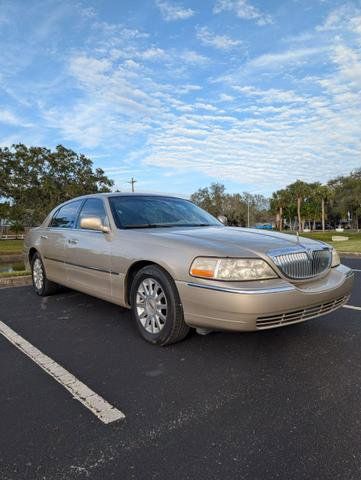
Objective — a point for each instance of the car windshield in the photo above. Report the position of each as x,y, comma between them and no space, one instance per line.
157,212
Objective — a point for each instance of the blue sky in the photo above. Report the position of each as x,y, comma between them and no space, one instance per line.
251,93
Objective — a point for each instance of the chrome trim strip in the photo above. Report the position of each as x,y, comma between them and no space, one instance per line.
53,259
81,266
285,288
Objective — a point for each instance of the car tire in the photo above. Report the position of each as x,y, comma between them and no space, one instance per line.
42,286
156,307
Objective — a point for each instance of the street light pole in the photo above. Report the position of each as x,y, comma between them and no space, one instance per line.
248,213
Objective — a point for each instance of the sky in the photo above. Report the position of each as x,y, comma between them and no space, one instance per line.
179,94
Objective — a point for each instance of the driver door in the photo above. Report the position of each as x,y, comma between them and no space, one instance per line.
88,253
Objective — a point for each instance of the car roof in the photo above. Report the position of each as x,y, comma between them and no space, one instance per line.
128,194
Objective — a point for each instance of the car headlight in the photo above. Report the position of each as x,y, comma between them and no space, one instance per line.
335,258
231,269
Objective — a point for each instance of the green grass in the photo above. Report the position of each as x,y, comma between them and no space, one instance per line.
14,274
7,247
352,245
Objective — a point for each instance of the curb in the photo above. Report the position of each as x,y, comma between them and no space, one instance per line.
350,254
15,281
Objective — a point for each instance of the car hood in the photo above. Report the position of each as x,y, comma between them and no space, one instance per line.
233,240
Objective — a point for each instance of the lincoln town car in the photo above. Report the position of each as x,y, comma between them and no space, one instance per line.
177,267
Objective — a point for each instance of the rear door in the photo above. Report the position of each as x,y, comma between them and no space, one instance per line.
53,240
88,253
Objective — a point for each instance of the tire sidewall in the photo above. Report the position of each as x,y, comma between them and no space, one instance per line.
168,288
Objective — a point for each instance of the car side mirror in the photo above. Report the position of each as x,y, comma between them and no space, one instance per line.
93,223
223,219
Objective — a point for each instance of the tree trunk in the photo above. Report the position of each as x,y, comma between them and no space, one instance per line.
323,214
281,218
299,213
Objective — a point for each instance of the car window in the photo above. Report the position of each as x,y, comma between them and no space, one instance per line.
93,207
147,212
66,216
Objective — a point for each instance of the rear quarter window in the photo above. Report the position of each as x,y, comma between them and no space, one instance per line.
66,216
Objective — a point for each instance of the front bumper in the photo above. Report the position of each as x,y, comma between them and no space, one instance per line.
264,305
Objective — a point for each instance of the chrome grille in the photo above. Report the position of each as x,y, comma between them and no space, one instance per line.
295,316
300,263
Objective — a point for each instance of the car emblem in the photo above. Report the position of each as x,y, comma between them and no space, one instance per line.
309,253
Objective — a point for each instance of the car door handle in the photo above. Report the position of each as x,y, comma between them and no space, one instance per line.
73,241
45,237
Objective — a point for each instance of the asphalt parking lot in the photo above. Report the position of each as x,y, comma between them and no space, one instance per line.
282,404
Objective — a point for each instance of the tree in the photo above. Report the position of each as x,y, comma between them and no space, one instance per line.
322,194
346,193
234,206
279,202
211,199
299,190
235,209
33,180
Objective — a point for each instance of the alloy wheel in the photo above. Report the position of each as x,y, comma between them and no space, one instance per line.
151,305
38,274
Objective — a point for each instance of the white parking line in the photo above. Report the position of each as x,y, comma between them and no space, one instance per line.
94,402
351,307
356,270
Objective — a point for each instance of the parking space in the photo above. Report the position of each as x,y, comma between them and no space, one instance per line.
282,403
355,264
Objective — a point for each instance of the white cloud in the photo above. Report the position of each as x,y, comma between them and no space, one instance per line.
154,54
349,64
222,42
345,16
9,118
224,97
192,57
294,56
95,68
172,11
243,10
275,64
271,95
205,106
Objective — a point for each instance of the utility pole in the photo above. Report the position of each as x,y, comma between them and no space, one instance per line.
248,213
132,182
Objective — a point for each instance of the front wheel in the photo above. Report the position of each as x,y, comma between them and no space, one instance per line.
156,307
41,284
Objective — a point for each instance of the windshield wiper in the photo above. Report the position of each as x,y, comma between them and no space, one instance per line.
143,225
167,225
197,225
149,225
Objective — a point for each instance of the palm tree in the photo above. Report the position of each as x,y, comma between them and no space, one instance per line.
299,190
325,193
278,203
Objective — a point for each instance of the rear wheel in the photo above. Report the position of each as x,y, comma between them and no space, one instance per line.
156,307
41,284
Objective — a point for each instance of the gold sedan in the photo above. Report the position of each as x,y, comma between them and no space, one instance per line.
178,267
